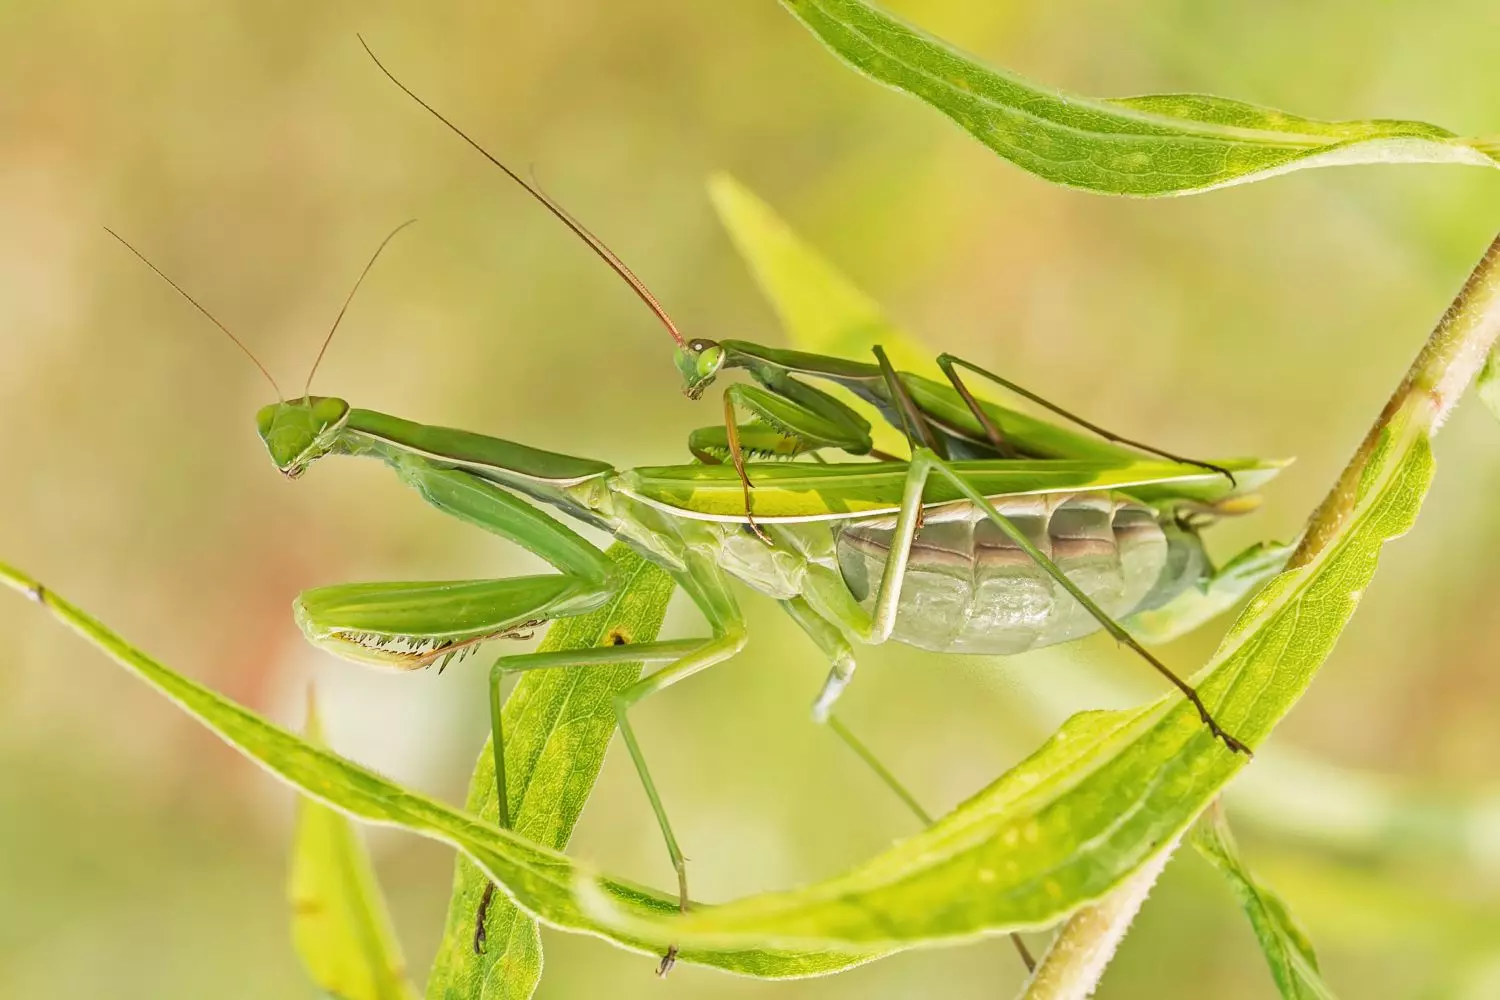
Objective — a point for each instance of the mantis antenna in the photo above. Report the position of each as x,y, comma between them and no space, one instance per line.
578,228
237,342
306,388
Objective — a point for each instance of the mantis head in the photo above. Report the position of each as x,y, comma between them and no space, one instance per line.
698,361
299,432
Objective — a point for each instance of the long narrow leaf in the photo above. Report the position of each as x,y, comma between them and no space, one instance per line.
558,724
1109,790
543,882
340,925
1289,953
1162,144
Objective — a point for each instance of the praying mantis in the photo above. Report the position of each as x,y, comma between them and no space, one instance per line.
1041,537
858,552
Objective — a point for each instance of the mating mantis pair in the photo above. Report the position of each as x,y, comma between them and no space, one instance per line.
1001,533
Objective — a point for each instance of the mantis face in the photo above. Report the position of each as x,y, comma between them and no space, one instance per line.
299,432
698,361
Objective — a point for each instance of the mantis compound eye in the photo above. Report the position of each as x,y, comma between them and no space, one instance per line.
329,410
709,356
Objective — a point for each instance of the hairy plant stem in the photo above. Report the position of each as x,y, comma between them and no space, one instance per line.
1447,363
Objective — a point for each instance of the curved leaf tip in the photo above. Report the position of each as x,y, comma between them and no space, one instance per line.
1149,146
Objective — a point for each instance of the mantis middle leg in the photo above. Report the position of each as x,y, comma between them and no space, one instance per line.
709,589
950,364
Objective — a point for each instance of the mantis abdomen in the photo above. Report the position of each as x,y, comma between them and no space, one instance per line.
969,589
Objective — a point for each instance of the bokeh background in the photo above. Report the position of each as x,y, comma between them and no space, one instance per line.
255,153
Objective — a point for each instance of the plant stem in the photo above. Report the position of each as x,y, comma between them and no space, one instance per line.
1446,364
1074,962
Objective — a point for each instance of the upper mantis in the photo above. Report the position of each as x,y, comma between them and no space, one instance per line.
788,417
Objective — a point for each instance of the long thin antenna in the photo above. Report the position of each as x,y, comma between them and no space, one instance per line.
345,307
237,342
578,228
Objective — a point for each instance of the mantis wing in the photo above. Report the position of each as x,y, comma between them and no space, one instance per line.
789,492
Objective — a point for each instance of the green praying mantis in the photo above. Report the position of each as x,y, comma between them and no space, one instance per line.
1049,550
1055,537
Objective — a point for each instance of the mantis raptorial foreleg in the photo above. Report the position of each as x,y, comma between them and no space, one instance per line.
413,624
806,418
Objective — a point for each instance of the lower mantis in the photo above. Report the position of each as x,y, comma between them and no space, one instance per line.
984,556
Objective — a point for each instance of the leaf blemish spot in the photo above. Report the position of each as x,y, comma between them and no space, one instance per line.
616,637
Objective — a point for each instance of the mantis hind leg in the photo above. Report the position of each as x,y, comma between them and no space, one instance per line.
840,654
709,589
950,364
888,778
925,461
827,636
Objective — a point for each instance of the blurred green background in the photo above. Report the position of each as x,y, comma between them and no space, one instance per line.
255,153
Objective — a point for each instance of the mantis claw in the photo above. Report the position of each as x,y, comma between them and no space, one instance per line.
667,961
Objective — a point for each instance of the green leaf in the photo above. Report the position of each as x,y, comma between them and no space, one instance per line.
558,724
543,882
1106,793
1488,383
340,926
1144,146
1288,951
1226,588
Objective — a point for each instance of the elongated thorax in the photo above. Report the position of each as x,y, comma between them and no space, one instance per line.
971,589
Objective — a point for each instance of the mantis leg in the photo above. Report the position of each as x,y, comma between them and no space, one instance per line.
833,644
924,462
708,587
412,625
950,364
797,417
889,779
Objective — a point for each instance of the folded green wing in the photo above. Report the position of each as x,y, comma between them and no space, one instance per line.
803,491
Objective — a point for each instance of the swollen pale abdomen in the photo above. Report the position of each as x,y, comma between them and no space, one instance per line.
970,589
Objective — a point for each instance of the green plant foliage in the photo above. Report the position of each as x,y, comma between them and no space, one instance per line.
1110,789
558,724
1290,954
340,926
543,882
1144,146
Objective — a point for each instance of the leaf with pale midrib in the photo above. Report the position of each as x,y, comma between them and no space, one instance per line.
539,879
1107,791
558,724
1161,144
